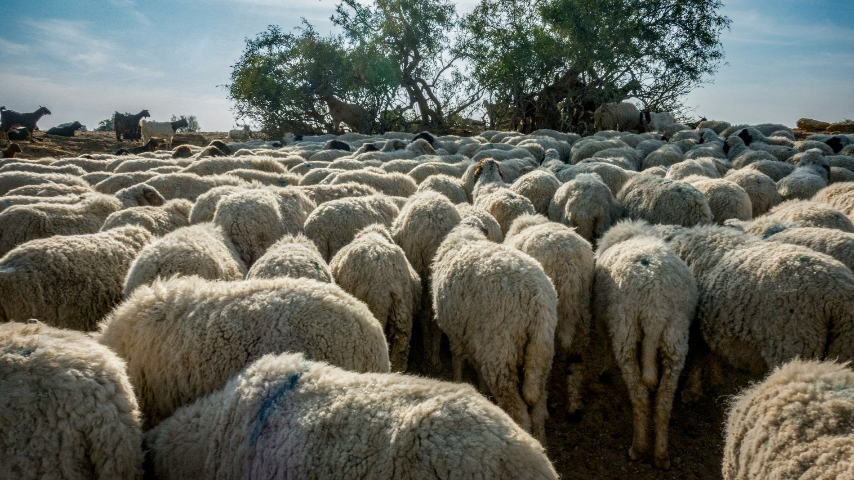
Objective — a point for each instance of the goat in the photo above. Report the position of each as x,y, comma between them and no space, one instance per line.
10,119
156,129
127,126
148,147
65,131
354,116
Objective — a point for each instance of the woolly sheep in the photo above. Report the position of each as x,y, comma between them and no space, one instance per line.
539,187
380,423
614,177
811,175
646,297
37,168
23,223
205,206
446,185
587,148
164,330
254,219
621,116
375,270
292,256
759,187
202,250
157,220
266,178
427,170
686,168
491,194
664,201
585,204
12,180
68,281
567,260
811,214
726,199
334,224
142,164
119,181
67,409
392,184
837,244
795,424
222,165
775,169
326,193
7,201
664,156
140,195
189,186
499,311
493,229
839,174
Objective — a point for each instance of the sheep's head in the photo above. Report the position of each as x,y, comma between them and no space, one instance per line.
745,136
370,147
43,110
182,151
221,146
152,145
834,143
336,145
426,136
488,170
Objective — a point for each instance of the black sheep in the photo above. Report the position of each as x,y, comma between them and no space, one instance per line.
336,145
66,131
182,151
127,126
221,146
10,119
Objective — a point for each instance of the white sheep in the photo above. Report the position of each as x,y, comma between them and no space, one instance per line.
375,270
334,224
202,250
538,186
445,184
811,175
326,193
837,244
795,424
491,193
586,204
567,259
68,281
646,297
185,337
621,116
499,310
12,180
727,200
664,201
291,256
67,409
157,220
759,187
286,416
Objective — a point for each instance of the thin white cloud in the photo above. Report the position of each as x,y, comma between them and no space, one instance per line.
12,48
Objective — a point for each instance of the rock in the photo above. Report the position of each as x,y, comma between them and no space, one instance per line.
811,125
842,127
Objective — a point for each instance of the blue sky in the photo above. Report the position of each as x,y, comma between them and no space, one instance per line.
86,58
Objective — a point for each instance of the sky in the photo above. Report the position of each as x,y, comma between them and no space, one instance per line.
85,59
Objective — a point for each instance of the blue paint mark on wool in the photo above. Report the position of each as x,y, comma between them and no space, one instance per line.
271,401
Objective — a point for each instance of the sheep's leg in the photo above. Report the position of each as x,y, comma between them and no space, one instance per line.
574,381
506,389
432,340
692,391
539,414
663,406
457,365
639,396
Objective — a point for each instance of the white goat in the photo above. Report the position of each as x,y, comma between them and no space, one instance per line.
156,129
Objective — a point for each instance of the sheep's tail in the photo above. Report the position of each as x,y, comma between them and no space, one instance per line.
539,351
652,330
840,341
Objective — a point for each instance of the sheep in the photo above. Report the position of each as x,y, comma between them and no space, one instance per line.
375,270
142,164
795,424
686,168
613,176
140,195
254,219
759,187
10,119
167,330
392,184
65,130
538,186
88,164
117,182
325,193
334,224
127,126
11,151
621,116
23,223
7,201
157,220
837,244
491,227
205,205
68,410
811,175
646,296
187,185
788,281
658,200
811,214
491,194
68,281
499,311
291,256
380,422
445,185
182,151
49,190
567,260
586,204
202,250
12,180
426,170
726,199
149,146
223,165
38,168
266,178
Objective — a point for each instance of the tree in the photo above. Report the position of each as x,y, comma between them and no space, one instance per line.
105,125
554,61
192,124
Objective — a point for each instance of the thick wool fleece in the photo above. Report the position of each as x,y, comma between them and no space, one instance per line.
586,204
157,220
68,281
421,226
334,224
374,269
287,417
189,186
184,338
202,250
392,184
493,229
67,408
292,256
326,193
664,201
759,187
646,296
811,214
12,180
23,223
499,310
837,244
794,425
539,187
567,259
205,206
726,198
446,185
254,219
221,165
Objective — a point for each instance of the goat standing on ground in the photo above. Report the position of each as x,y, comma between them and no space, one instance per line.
354,116
127,126
10,119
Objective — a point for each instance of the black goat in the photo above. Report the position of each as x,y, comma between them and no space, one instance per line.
65,131
10,119
148,147
127,126
180,123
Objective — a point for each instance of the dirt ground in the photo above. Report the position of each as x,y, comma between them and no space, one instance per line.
590,445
